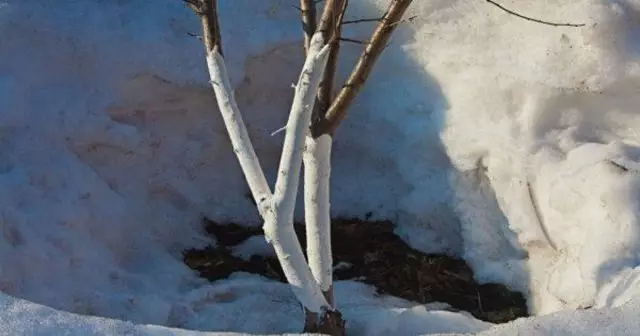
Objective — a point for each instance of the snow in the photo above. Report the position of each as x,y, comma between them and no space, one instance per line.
21,317
554,118
232,297
616,321
254,245
509,143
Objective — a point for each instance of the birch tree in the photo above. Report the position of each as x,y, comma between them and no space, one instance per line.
314,116
329,112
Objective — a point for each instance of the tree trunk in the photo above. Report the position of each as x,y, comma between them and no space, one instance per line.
331,323
277,210
317,171
278,227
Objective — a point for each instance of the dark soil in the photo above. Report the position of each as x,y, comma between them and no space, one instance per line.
376,256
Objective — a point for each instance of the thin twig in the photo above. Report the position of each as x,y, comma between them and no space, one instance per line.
346,39
480,302
409,19
362,20
555,24
199,37
279,130
536,210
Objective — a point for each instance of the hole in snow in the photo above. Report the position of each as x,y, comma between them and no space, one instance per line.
368,252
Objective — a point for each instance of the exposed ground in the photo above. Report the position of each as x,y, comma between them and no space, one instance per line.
375,256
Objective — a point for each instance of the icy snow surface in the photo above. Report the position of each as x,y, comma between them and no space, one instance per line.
510,143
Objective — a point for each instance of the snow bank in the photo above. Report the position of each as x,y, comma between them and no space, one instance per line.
111,150
224,306
543,126
510,143
20,317
616,321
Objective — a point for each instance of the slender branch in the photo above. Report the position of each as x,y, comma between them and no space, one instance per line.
332,16
346,39
555,24
237,130
362,69
331,28
377,20
346,22
308,17
207,10
409,19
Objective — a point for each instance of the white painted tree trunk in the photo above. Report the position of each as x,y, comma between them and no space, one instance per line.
278,227
277,210
317,173
237,130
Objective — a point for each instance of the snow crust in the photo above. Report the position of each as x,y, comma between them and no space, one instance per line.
224,306
543,125
510,143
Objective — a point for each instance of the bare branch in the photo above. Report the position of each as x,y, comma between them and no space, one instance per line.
194,35
207,10
331,28
308,17
346,39
555,24
332,18
346,22
409,19
362,69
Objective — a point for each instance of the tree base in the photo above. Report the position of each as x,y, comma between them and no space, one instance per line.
331,323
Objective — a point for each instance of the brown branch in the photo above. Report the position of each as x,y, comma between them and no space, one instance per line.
331,28
207,10
332,17
555,24
308,18
377,43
